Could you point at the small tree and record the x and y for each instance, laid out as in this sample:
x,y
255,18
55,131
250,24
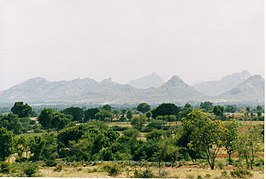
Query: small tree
x,y
248,144
206,134
129,114
230,137
138,122
218,111
21,109
45,118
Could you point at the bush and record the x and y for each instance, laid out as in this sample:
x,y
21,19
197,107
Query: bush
x,y
58,168
30,171
5,167
112,170
240,173
50,163
144,174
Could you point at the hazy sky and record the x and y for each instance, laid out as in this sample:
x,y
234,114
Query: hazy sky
x,y
127,39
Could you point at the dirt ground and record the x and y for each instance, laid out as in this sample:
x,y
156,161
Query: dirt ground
x,y
128,172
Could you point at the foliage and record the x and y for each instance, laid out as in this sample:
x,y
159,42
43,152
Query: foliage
x,y
240,173
21,109
76,112
218,111
248,144
43,147
104,115
165,109
206,134
143,107
89,114
112,170
50,119
133,133
206,106
11,122
138,122
7,144
129,114
155,124
230,137
143,174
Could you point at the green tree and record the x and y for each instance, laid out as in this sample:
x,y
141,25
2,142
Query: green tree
x,y
60,120
44,147
129,114
259,111
11,122
90,113
104,115
249,143
229,137
138,122
45,118
165,109
21,109
76,112
143,107
207,106
7,143
134,133
107,107
230,108
206,134
218,111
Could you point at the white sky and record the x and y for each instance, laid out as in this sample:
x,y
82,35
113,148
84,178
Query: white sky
x,y
126,39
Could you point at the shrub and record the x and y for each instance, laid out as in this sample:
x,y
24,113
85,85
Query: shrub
x,y
240,173
30,171
58,168
112,170
50,163
5,167
143,174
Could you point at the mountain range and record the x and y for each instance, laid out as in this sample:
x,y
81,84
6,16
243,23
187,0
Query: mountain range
x,y
235,88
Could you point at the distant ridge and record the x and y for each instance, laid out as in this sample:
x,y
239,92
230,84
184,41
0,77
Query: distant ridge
x,y
215,88
88,91
152,80
251,90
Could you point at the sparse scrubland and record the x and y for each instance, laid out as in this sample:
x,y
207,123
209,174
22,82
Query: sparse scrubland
x,y
166,141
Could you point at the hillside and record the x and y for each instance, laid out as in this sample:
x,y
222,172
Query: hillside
x,y
215,88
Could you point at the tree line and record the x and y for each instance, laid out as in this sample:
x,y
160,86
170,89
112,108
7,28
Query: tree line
x,y
75,134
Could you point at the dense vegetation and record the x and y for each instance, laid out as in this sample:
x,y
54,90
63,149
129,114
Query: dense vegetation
x,y
166,134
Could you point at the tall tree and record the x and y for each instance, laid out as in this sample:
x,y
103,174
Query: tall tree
x,y
165,109
21,109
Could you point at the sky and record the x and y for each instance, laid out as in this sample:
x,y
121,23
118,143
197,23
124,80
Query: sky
x,y
127,39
